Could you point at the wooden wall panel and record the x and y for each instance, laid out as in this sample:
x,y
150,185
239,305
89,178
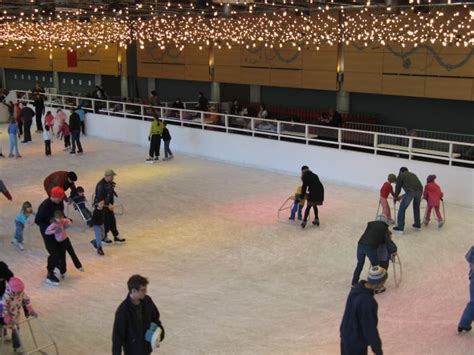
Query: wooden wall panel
x,y
24,59
403,85
287,59
415,64
467,70
364,62
255,76
228,74
285,78
224,57
320,60
172,71
449,88
363,82
193,55
197,72
325,80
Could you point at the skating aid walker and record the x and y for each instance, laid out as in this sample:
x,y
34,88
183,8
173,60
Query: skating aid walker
x,y
423,208
286,206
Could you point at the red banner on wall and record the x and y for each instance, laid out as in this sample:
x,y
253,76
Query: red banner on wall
x,y
72,58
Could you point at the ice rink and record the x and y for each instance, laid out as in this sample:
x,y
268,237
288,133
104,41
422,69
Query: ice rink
x,y
226,274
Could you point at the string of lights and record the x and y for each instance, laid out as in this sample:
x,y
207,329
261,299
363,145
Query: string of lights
x,y
92,28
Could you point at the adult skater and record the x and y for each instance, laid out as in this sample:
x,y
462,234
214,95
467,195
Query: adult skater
x,y
468,315
315,194
359,324
133,330
413,188
105,190
4,191
64,179
56,252
26,116
5,275
376,233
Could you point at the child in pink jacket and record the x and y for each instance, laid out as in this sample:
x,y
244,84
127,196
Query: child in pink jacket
x,y
433,195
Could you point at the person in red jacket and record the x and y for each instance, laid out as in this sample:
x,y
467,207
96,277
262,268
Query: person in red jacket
x,y
433,195
63,179
386,190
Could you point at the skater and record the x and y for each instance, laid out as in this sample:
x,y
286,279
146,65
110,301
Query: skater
x,y
75,127
433,195
82,115
26,116
56,252
315,194
413,188
58,228
20,222
154,137
105,190
298,204
65,133
47,137
49,120
63,179
376,233
166,136
133,318
39,111
4,191
79,198
5,275
12,134
359,324
468,315
98,225
14,299
386,190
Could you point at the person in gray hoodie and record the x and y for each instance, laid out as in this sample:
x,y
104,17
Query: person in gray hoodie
x,y
413,188
468,315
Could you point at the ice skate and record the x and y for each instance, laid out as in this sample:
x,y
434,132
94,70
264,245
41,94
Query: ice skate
x,y
117,239
398,230
52,279
107,240
464,329
316,222
440,224
416,226
303,224
149,160
100,251
18,244
426,222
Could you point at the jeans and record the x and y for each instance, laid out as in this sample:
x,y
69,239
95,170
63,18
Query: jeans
x,y
296,207
407,198
19,228
168,151
468,315
363,251
13,144
76,140
99,235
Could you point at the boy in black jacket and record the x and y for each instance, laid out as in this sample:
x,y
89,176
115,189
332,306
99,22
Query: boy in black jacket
x,y
133,318
359,324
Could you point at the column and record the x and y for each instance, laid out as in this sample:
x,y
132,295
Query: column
x,y
255,93
98,79
342,97
151,85
56,80
4,79
215,92
123,86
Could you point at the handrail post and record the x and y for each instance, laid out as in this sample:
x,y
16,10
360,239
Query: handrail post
x,y
226,123
252,125
124,110
278,129
162,112
306,133
339,138
450,154
410,146
107,106
93,107
376,142
142,112
181,116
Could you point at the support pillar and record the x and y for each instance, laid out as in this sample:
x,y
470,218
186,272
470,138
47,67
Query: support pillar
x,y
98,79
215,92
123,86
151,85
56,80
4,78
342,97
255,94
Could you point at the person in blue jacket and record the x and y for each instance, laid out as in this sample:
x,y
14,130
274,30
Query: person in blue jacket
x,y
359,324
468,315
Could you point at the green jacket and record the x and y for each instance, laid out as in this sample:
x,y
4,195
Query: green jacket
x,y
156,128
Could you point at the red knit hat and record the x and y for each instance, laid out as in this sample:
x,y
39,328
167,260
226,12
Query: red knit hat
x,y
57,192
16,285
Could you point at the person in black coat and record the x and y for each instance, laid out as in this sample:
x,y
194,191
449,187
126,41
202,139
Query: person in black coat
x,y
75,127
39,111
5,275
315,194
26,115
133,318
203,102
358,328
376,233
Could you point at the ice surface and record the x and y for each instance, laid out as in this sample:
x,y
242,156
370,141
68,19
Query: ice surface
x,y
227,276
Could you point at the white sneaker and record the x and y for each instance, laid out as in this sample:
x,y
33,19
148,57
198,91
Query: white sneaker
x,y
18,244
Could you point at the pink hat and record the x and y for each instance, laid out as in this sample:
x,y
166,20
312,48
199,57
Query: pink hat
x,y
16,285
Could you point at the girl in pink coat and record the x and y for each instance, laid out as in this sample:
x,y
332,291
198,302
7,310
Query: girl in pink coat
x,y
433,195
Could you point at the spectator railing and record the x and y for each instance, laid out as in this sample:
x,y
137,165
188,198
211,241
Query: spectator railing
x,y
401,145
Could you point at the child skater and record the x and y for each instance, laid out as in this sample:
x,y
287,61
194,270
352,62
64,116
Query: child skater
x,y
166,136
65,132
12,134
386,190
47,136
433,195
98,225
13,300
49,120
298,205
20,221
58,228
79,197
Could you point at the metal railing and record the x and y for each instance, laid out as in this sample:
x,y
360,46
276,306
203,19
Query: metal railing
x,y
364,139
400,145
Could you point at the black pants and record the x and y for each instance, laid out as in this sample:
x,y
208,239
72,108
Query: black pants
x,y
67,141
27,137
155,143
56,251
110,223
20,127
83,127
310,204
72,253
47,147
39,124
76,140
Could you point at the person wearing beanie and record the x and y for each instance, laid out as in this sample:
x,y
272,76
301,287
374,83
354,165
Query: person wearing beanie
x,y
64,179
133,320
376,233
358,328
105,191
413,188
465,323
13,300
56,251
433,195
314,190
